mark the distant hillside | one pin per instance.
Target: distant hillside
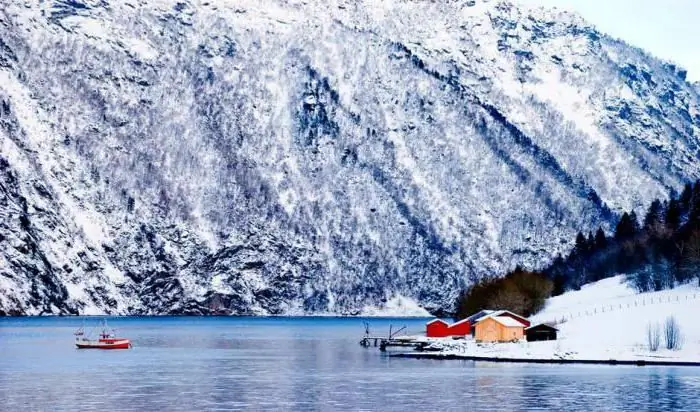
(287, 157)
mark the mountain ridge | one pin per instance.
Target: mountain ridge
(293, 158)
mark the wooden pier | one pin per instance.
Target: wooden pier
(383, 343)
(392, 340)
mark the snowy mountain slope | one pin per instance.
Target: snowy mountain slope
(299, 157)
(611, 295)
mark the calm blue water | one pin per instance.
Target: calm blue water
(188, 364)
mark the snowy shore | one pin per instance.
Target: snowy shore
(603, 321)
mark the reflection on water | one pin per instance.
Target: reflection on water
(184, 364)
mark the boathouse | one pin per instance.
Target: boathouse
(437, 328)
(461, 328)
(500, 328)
(541, 332)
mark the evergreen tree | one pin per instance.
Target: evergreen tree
(601, 242)
(581, 247)
(635, 222)
(686, 196)
(653, 217)
(627, 227)
(672, 217)
(643, 280)
(694, 208)
(557, 273)
(591, 242)
(663, 274)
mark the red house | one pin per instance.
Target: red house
(461, 328)
(437, 328)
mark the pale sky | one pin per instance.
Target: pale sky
(669, 29)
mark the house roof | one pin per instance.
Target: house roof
(500, 313)
(542, 325)
(480, 314)
(436, 320)
(460, 322)
(507, 321)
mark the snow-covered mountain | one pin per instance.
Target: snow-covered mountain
(287, 157)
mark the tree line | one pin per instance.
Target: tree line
(657, 252)
(519, 291)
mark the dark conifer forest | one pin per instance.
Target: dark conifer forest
(656, 252)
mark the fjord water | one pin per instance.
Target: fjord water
(192, 363)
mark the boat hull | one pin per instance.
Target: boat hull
(111, 344)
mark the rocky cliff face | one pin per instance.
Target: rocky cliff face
(299, 157)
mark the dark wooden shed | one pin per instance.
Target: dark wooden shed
(541, 332)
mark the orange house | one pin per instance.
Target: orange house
(498, 329)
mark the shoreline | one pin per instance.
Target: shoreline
(448, 356)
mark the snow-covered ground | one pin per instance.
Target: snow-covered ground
(604, 320)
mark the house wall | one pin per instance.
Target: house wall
(488, 330)
(511, 333)
(540, 335)
(436, 330)
(464, 328)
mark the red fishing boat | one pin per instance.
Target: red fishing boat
(107, 339)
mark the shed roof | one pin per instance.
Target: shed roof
(460, 322)
(542, 325)
(500, 313)
(507, 321)
(437, 320)
(480, 314)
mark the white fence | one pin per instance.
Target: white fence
(639, 300)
